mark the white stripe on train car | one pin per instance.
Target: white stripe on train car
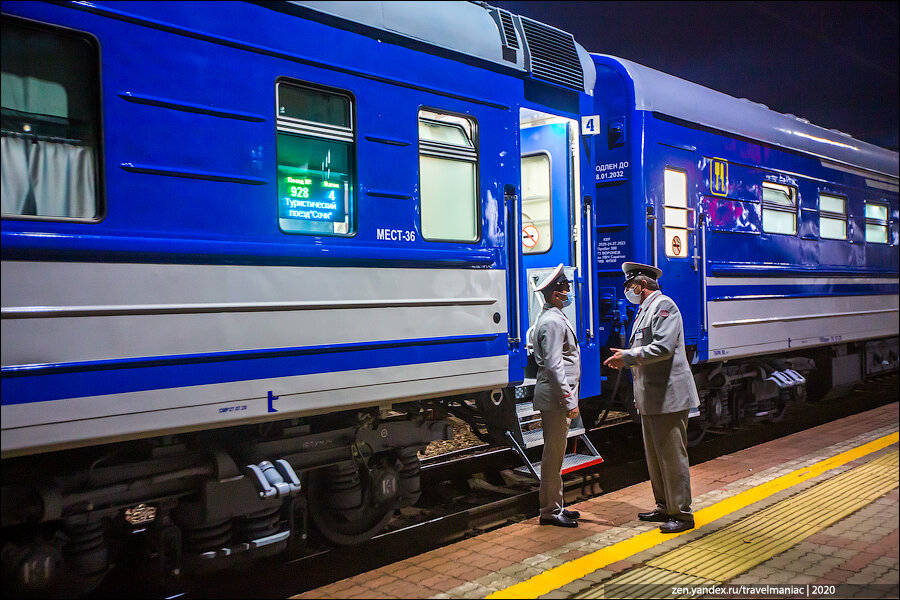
(57, 313)
(58, 424)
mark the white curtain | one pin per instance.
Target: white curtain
(47, 177)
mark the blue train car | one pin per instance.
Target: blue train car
(778, 239)
(250, 251)
(253, 253)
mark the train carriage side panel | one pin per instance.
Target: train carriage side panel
(187, 306)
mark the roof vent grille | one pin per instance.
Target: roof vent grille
(509, 30)
(553, 55)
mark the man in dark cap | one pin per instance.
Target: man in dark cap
(555, 392)
(664, 393)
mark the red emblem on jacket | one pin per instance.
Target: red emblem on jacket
(664, 313)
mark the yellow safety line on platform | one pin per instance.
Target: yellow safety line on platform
(564, 574)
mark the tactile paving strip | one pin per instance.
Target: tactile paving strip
(734, 549)
(647, 582)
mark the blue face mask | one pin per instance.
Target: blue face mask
(570, 298)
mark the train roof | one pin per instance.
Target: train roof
(669, 95)
(467, 29)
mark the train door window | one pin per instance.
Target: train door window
(537, 224)
(832, 217)
(675, 209)
(50, 130)
(315, 152)
(779, 208)
(876, 223)
(448, 179)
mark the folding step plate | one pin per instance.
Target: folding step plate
(525, 410)
(571, 462)
(535, 437)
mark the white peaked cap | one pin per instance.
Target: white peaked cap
(557, 275)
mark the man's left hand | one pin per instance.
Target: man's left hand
(616, 361)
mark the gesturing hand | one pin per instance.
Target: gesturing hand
(616, 361)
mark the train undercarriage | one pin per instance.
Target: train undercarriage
(202, 501)
(198, 502)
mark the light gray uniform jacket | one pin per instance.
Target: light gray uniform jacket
(663, 382)
(559, 361)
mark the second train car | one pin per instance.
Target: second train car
(777, 238)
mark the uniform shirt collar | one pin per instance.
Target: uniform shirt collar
(649, 299)
(548, 306)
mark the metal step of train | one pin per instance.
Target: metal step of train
(533, 437)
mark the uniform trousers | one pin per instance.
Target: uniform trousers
(665, 446)
(555, 426)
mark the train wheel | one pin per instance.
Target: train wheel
(777, 413)
(695, 433)
(338, 524)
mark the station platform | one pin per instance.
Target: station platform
(811, 515)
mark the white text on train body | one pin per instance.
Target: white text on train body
(395, 235)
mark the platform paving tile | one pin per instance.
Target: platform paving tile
(470, 589)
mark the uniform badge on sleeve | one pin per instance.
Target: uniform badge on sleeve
(664, 313)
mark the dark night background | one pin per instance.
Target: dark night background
(834, 63)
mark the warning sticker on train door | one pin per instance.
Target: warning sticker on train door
(530, 236)
(676, 242)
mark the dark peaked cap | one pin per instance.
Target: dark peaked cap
(633, 269)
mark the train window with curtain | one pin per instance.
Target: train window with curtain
(315, 157)
(537, 215)
(876, 223)
(50, 131)
(832, 216)
(779, 208)
(448, 177)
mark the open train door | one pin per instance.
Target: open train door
(551, 230)
(551, 208)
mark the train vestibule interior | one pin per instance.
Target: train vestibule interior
(550, 220)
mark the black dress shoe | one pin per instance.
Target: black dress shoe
(655, 516)
(676, 526)
(572, 514)
(560, 520)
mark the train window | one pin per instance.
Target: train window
(876, 223)
(675, 209)
(315, 150)
(779, 208)
(537, 217)
(50, 128)
(832, 217)
(448, 163)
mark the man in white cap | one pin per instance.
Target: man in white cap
(664, 393)
(555, 392)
